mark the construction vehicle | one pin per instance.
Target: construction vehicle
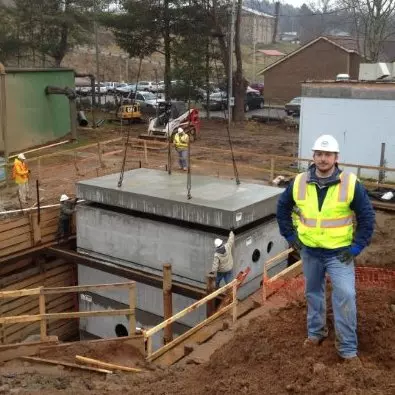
(171, 116)
(129, 112)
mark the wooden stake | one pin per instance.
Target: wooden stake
(149, 346)
(100, 155)
(132, 307)
(43, 322)
(167, 302)
(106, 364)
(210, 287)
(234, 302)
(272, 167)
(145, 152)
(68, 364)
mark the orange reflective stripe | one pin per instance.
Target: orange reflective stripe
(302, 187)
(337, 223)
(309, 222)
(343, 187)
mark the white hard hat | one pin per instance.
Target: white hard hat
(21, 157)
(326, 143)
(64, 197)
(218, 242)
(180, 130)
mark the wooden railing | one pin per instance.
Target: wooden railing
(279, 279)
(43, 317)
(150, 356)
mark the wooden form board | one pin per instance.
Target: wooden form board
(31, 274)
(25, 232)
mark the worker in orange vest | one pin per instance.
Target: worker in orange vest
(20, 173)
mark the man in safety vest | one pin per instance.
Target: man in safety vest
(181, 142)
(325, 200)
(20, 173)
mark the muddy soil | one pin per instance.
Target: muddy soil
(266, 357)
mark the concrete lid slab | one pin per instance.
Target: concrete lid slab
(215, 202)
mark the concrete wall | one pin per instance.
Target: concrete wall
(260, 25)
(149, 304)
(359, 123)
(33, 118)
(147, 244)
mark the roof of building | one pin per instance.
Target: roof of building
(256, 12)
(342, 45)
(270, 52)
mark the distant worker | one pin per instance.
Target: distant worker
(20, 173)
(67, 208)
(324, 199)
(181, 142)
(223, 260)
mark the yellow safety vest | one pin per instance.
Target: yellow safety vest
(181, 142)
(332, 227)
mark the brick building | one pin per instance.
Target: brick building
(256, 25)
(320, 59)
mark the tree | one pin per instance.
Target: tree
(373, 21)
(52, 27)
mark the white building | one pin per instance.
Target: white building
(360, 115)
(256, 27)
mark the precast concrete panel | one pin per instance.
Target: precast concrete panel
(146, 244)
(148, 298)
(215, 202)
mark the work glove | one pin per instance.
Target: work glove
(295, 243)
(346, 256)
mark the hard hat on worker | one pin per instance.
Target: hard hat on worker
(326, 143)
(21, 157)
(64, 198)
(218, 243)
(180, 130)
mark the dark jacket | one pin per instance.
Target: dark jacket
(360, 204)
(67, 208)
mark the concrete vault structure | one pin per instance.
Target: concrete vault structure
(149, 221)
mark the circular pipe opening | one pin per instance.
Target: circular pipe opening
(269, 247)
(256, 255)
(121, 331)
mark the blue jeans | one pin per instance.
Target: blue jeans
(226, 276)
(343, 300)
(183, 158)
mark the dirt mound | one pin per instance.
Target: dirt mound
(265, 357)
(378, 253)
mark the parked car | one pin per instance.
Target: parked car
(111, 86)
(125, 89)
(293, 107)
(147, 100)
(102, 88)
(148, 86)
(218, 101)
(259, 86)
(85, 90)
(253, 100)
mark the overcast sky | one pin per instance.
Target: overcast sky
(295, 3)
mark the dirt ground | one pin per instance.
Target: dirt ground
(266, 356)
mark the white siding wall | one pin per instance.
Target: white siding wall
(359, 125)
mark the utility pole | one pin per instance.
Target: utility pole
(254, 51)
(97, 53)
(231, 50)
(276, 15)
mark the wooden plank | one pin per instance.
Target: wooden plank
(35, 228)
(14, 223)
(187, 334)
(43, 322)
(20, 318)
(78, 314)
(66, 332)
(50, 214)
(49, 231)
(22, 238)
(10, 234)
(12, 351)
(107, 365)
(190, 308)
(15, 248)
(6, 268)
(84, 288)
(289, 272)
(19, 292)
(67, 364)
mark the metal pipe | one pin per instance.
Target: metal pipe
(230, 80)
(3, 112)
